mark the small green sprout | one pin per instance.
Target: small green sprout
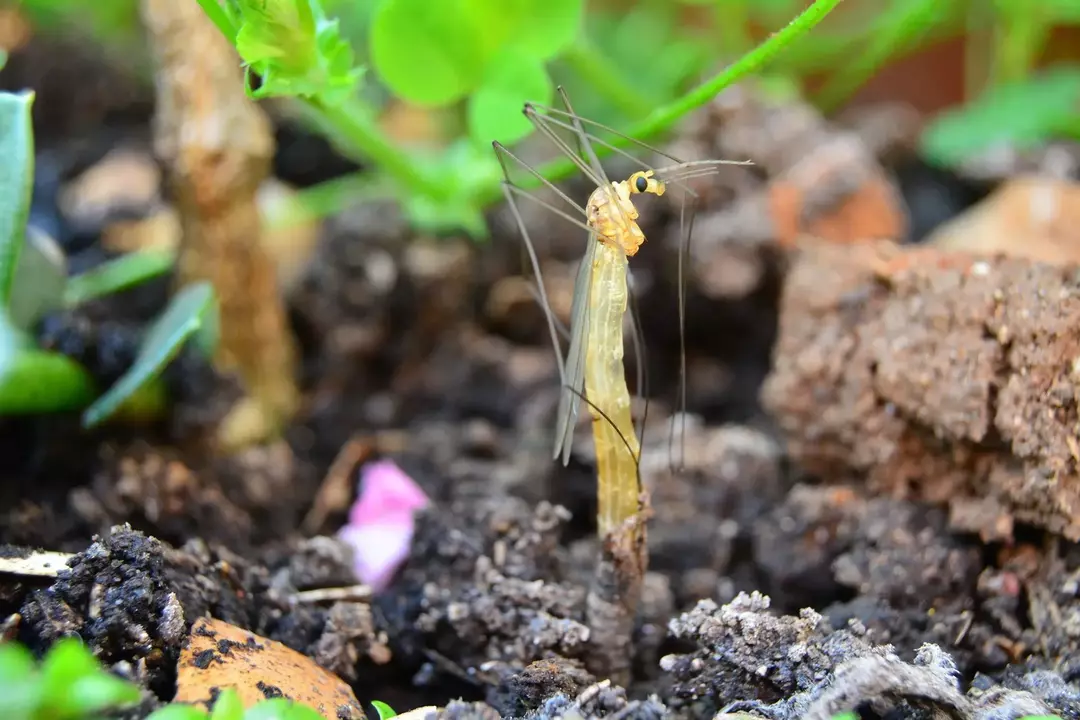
(229, 707)
(69, 684)
(34, 280)
(385, 711)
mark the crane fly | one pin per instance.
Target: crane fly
(592, 370)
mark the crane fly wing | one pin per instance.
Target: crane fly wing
(574, 378)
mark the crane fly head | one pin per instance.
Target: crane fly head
(644, 182)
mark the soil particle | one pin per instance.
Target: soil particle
(934, 376)
(745, 652)
(527, 690)
(599, 700)
(704, 513)
(117, 596)
(483, 590)
(349, 636)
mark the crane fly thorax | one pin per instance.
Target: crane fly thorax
(611, 213)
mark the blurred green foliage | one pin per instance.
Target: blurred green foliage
(69, 684)
(34, 281)
(473, 63)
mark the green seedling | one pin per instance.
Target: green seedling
(228, 707)
(34, 281)
(69, 684)
(385, 711)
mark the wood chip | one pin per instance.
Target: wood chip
(220, 655)
(40, 563)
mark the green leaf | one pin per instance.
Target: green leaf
(428, 53)
(220, 18)
(178, 711)
(281, 709)
(228, 706)
(100, 692)
(20, 685)
(385, 711)
(40, 279)
(184, 317)
(512, 79)
(76, 685)
(118, 274)
(296, 50)
(1023, 114)
(38, 381)
(541, 28)
(16, 183)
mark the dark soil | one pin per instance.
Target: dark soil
(892, 530)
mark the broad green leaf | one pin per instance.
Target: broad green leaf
(118, 274)
(227, 706)
(427, 53)
(186, 314)
(38, 381)
(1023, 114)
(512, 79)
(16, 183)
(541, 28)
(101, 691)
(385, 711)
(77, 686)
(40, 279)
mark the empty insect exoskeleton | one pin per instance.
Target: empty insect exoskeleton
(593, 366)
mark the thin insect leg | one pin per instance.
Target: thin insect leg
(561, 213)
(501, 152)
(583, 138)
(616, 133)
(641, 358)
(562, 145)
(597, 174)
(684, 252)
(546, 305)
(667, 174)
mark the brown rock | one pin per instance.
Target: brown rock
(220, 655)
(935, 376)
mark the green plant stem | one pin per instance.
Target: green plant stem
(604, 76)
(353, 127)
(663, 117)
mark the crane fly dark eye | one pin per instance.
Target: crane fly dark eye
(641, 184)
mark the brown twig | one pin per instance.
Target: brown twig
(216, 145)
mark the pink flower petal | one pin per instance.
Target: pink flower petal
(385, 488)
(381, 524)
(378, 550)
